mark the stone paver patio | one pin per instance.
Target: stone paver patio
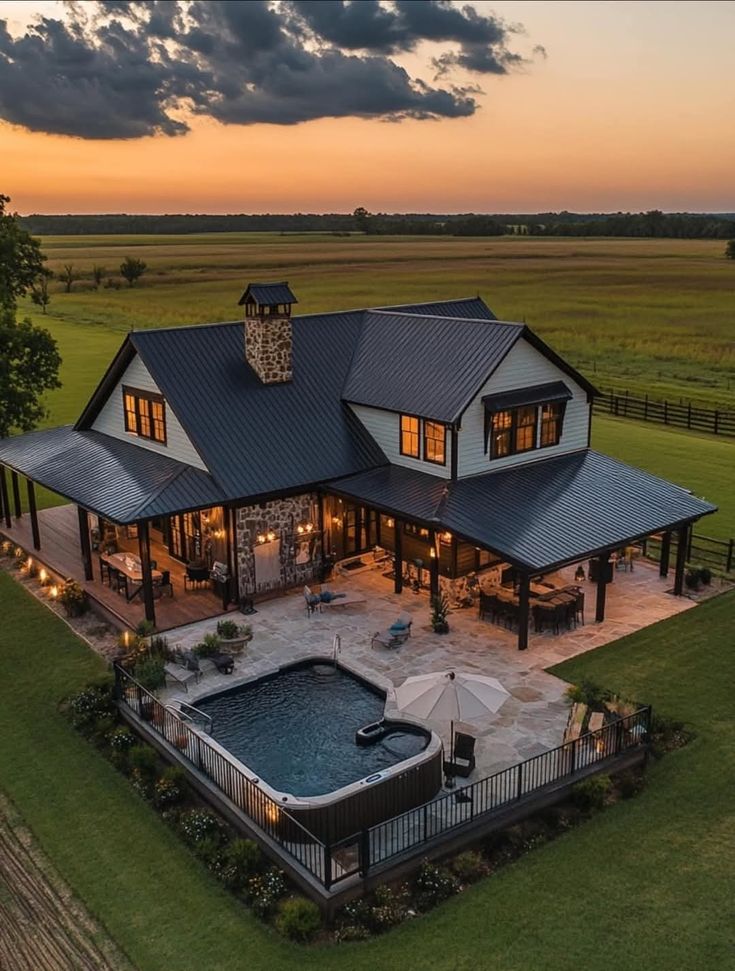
(530, 722)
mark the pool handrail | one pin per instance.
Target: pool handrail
(198, 714)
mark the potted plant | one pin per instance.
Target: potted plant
(73, 598)
(211, 644)
(233, 637)
(439, 610)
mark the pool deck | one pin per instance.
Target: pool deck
(530, 722)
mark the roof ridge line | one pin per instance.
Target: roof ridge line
(466, 320)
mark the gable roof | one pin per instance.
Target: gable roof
(268, 294)
(472, 308)
(539, 515)
(425, 365)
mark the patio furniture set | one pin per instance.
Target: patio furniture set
(552, 608)
(123, 572)
(186, 666)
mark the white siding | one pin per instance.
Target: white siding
(384, 426)
(111, 419)
(524, 367)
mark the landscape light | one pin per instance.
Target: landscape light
(53, 592)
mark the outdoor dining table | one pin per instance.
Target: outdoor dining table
(130, 566)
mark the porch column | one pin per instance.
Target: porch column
(144, 549)
(398, 557)
(603, 564)
(34, 514)
(84, 542)
(16, 494)
(524, 594)
(433, 567)
(682, 539)
(4, 504)
(663, 567)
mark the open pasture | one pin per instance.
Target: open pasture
(654, 316)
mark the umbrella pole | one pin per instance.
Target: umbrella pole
(449, 774)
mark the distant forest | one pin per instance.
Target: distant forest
(641, 224)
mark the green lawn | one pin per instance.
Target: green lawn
(648, 884)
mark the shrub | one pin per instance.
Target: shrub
(121, 739)
(168, 790)
(691, 578)
(630, 783)
(210, 852)
(591, 794)
(20, 557)
(90, 704)
(200, 824)
(143, 759)
(145, 628)
(158, 647)
(265, 890)
(150, 672)
(468, 866)
(241, 860)
(299, 919)
(6, 548)
(433, 885)
(228, 629)
(390, 907)
(209, 646)
(73, 598)
(668, 734)
(705, 575)
(351, 932)
(588, 693)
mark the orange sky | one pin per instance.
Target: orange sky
(632, 109)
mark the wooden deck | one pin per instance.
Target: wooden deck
(60, 553)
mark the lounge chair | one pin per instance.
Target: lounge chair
(181, 675)
(225, 663)
(462, 761)
(398, 633)
(328, 598)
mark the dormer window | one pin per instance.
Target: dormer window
(435, 442)
(145, 414)
(524, 419)
(410, 436)
(422, 438)
(551, 418)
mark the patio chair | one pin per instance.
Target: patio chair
(188, 660)
(313, 601)
(328, 598)
(398, 633)
(462, 761)
(181, 675)
(164, 583)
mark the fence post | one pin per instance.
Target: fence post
(365, 852)
(520, 780)
(645, 407)
(730, 546)
(690, 536)
(426, 822)
(689, 415)
(666, 412)
(327, 866)
(717, 422)
(573, 760)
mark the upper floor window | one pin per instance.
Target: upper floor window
(525, 429)
(435, 442)
(551, 415)
(421, 438)
(502, 434)
(145, 414)
(410, 441)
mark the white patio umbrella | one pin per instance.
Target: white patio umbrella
(449, 696)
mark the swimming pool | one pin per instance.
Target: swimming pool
(296, 729)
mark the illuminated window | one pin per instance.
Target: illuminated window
(502, 434)
(525, 429)
(435, 438)
(410, 436)
(550, 424)
(145, 414)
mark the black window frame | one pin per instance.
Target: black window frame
(557, 421)
(151, 397)
(425, 439)
(421, 451)
(417, 433)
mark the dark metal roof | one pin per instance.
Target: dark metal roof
(537, 395)
(268, 294)
(537, 515)
(469, 307)
(425, 365)
(116, 479)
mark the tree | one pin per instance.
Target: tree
(39, 289)
(21, 260)
(131, 269)
(98, 273)
(68, 276)
(730, 249)
(362, 219)
(29, 366)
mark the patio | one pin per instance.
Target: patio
(530, 722)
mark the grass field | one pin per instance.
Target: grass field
(649, 884)
(648, 315)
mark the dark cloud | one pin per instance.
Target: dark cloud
(127, 68)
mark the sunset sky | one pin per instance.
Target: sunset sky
(595, 106)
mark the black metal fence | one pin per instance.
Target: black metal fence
(625, 405)
(718, 554)
(331, 862)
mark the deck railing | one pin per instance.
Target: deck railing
(331, 862)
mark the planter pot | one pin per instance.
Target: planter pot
(235, 645)
(441, 628)
(146, 710)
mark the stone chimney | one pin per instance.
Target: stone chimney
(268, 337)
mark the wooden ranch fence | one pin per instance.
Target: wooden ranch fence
(622, 404)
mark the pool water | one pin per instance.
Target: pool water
(296, 730)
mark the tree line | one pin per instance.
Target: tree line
(653, 223)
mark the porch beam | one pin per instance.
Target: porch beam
(144, 549)
(682, 540)
(16, 494)
(663, 567)
(524, 596)
(4, 502)
(31, 489)
(603, 563)
(86, 546)
(398, 557)
(433, 566)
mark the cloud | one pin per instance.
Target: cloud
(130, 68)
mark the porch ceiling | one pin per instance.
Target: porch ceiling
(114, 479)
(537, 515)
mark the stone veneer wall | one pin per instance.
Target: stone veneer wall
(268, 348)
(280, 516)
